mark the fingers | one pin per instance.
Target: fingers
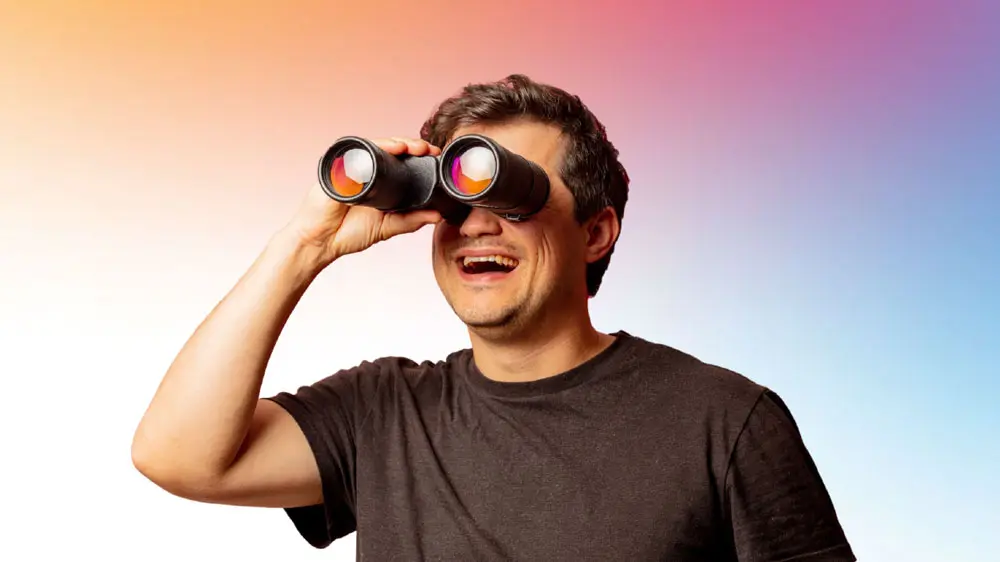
(403, 223)
(406, 145)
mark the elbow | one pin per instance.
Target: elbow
(162, 467)
(148, 456)
(156, 467)
(145, 460)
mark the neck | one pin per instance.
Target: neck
(556, 345)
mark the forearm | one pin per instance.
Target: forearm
(200, 413)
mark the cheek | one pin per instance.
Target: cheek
(552, 256)
(443, 239)
(566, 253)
(442, 233)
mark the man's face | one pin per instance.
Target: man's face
(550, 249)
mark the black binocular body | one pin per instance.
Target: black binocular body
(472, 171)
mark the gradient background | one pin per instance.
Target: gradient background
(814, 204)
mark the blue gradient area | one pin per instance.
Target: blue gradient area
(847, 236)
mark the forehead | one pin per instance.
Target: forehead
(541, 143)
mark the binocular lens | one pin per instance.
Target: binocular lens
(479, 172)
(473, 170)
(357, 172)
(351, 171)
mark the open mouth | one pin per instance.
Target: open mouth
(481, 265)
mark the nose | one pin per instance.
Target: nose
(481, 222)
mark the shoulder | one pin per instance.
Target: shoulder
(397, 377)
(699, 382)
(355, 390)
(394, 368)
(400, 369)
(696, 400)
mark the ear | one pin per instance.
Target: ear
(602, 232)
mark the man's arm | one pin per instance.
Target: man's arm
(777, 503)
(206, 434)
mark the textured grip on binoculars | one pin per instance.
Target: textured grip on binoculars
(526, 188)
(420, 180)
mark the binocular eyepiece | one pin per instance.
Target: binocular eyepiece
(472, 171)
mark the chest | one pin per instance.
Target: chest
(553, 480)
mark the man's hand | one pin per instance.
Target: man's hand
(336, 229)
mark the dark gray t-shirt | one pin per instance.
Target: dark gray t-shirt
(644, 453)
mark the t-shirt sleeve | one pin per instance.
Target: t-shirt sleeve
(330, 413)
(778, 505)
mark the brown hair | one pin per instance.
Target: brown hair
(590, 168)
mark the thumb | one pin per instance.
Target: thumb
(403, 223)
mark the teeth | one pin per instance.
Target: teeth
(509, 263)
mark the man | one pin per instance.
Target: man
(546, 440)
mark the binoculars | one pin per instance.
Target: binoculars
(472, 171)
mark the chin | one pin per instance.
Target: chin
(486, 317)
(480, 318)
